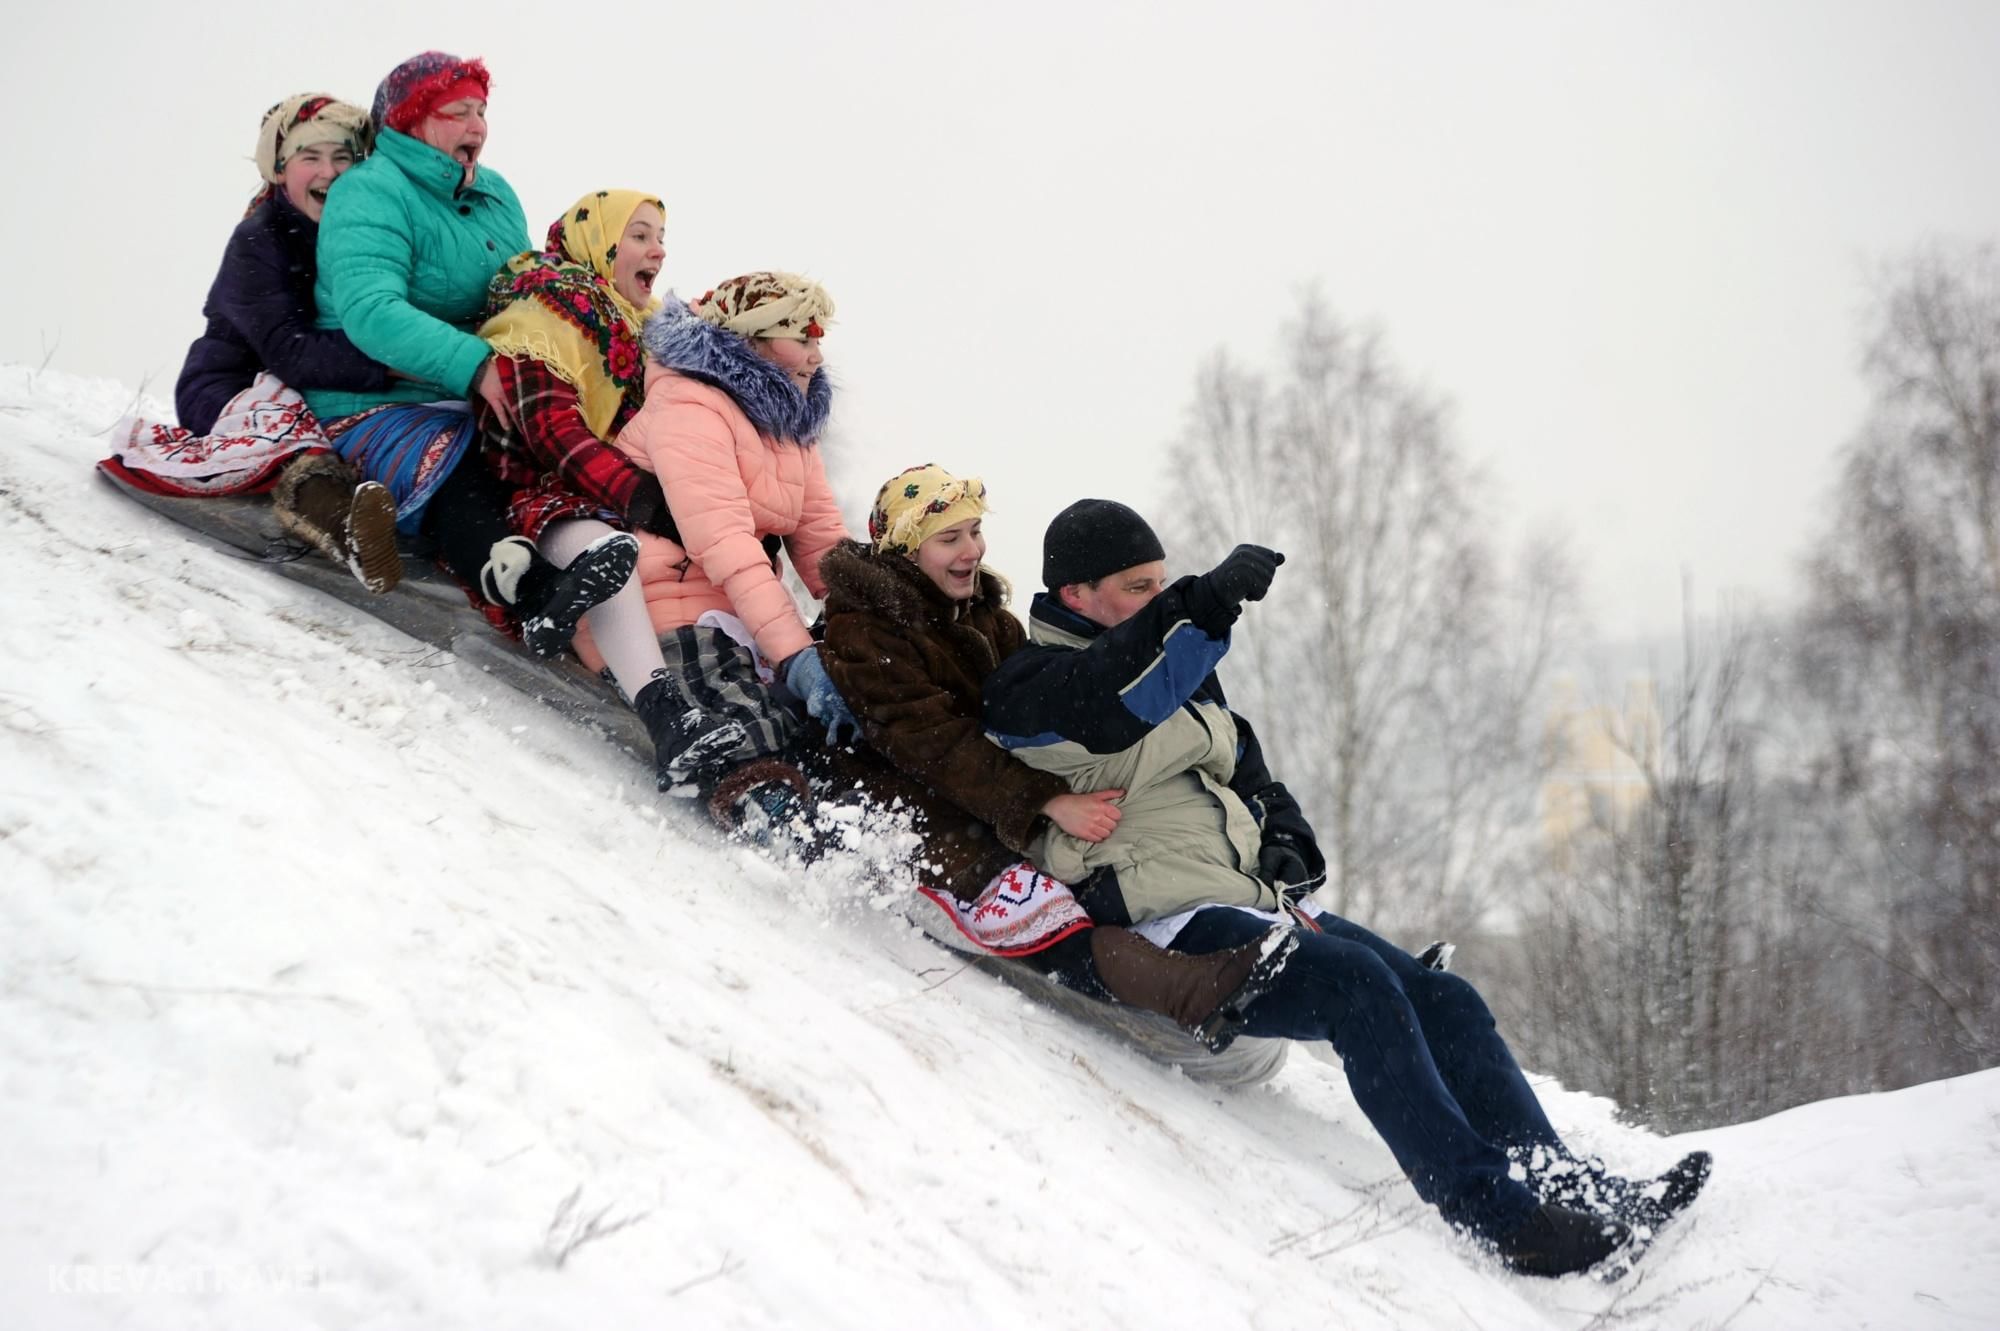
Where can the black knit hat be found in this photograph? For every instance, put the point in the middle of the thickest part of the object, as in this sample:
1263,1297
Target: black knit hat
1093,538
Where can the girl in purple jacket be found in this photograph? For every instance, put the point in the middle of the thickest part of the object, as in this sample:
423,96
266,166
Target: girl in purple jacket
261,319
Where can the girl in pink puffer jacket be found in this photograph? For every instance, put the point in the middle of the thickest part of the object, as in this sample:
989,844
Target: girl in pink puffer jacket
736,399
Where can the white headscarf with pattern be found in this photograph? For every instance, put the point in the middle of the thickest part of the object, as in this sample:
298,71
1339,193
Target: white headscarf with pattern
768,304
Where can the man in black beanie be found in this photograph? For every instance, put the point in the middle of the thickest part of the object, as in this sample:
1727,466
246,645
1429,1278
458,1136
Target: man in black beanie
1102,560
1118,691
1093,537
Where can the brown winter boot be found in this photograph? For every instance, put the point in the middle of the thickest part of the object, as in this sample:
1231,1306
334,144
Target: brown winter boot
318,501
1204,995
763,801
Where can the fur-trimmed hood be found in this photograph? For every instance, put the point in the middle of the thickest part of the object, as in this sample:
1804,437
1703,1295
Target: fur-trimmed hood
858,578
680,341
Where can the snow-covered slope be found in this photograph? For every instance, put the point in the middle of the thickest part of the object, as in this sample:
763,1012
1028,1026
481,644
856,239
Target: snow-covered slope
340,988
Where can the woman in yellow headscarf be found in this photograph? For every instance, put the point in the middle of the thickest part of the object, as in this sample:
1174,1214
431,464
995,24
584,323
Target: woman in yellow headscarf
564,327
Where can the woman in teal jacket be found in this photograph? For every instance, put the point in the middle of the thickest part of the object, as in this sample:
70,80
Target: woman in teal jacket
409,241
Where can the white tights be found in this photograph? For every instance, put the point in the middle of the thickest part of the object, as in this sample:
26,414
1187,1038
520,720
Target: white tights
620,626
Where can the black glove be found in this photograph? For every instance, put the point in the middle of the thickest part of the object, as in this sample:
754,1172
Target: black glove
1281,866
1244,574
648,510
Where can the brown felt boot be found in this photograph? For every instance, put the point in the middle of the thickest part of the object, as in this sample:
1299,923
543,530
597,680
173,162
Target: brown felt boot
765,801
318,501
1204,995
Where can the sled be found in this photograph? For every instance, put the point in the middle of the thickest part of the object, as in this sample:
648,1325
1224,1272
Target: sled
428,606
431,608
1247,1062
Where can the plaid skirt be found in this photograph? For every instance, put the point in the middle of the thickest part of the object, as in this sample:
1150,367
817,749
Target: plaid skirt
710,672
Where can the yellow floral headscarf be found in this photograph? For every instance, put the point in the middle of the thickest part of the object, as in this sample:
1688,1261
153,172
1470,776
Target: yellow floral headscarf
558,307
918,504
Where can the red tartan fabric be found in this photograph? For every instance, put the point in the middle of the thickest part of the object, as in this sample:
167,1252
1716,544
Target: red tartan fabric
529,513
556,467
550,442
533,509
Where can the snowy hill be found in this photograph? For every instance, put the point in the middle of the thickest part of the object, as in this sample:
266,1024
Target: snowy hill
343,988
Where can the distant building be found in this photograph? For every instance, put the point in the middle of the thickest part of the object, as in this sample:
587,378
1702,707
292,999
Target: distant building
1600,761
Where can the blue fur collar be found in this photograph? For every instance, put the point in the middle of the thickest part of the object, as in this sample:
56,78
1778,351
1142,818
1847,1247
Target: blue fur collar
721,359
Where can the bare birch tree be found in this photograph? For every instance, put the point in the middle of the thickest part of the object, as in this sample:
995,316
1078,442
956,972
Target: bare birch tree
1901,647
1810,905
1394,669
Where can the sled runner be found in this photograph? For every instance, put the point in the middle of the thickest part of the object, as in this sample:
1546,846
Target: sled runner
432,609
1246,1062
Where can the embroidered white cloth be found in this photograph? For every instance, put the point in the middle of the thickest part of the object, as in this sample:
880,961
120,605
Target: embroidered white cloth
263,427
1019,912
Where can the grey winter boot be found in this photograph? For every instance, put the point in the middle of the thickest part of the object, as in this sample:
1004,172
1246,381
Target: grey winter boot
318,500
1207,995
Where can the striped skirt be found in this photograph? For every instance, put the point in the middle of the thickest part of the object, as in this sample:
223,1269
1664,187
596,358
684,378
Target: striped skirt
409,447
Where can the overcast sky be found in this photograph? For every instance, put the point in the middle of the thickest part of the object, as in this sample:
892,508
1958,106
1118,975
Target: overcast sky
1630,242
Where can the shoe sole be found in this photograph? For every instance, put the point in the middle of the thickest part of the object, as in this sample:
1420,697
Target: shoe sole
765,827
372,556
1224,1024
591,579
1685,1180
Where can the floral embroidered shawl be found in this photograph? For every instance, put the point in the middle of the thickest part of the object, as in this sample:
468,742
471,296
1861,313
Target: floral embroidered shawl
558,307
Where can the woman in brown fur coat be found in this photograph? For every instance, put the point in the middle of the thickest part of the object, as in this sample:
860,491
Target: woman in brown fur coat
914,624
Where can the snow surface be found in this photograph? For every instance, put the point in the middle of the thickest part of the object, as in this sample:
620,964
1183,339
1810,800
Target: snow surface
343,988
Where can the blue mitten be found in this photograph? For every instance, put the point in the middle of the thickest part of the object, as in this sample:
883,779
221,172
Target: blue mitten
805,675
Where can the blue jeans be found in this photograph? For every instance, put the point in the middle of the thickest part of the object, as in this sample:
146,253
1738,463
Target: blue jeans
1421,1053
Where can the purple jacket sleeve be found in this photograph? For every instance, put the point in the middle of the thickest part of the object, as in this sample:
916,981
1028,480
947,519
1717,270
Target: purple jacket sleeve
258,296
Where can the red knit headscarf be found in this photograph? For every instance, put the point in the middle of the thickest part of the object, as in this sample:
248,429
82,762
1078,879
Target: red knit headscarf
423,83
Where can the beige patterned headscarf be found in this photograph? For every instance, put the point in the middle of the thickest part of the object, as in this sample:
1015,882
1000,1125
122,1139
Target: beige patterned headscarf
304,121
768,304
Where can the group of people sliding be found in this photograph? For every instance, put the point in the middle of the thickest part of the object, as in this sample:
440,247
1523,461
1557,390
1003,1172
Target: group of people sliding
611,471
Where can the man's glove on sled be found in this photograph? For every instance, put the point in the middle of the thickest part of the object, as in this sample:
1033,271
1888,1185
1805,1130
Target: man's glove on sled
1216,597
1284,869
805,674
